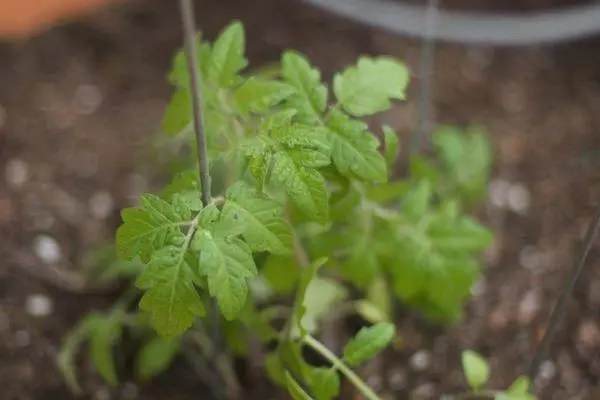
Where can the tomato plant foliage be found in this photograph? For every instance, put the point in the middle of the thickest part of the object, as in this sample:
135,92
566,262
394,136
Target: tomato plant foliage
306,202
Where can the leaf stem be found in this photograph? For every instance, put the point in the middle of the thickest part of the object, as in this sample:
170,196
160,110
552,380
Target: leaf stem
189,32
362,387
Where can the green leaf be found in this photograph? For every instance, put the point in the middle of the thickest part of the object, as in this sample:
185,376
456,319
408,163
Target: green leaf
361,266
311,96
105,332
227,58
417,202
368,87
275,370
368,342
295,389
325,383
355,150
155,357
259,95
520,386
178,114
320,297
392,145
153,225
179,76
266,229
171,298
227,263
476,369
307,277
281,273
304,185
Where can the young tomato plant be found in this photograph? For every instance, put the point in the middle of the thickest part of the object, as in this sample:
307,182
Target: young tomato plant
303,207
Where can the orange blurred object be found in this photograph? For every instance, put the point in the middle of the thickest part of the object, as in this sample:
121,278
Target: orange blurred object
22,18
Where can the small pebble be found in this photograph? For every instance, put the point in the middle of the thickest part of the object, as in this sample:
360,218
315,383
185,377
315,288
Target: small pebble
529,257
529,307
39,305
47,249
423,392
499,192
547,370
16,173
375,382
101,205
22,338
87,99
102,394
518,198
420,360
397,380
130,390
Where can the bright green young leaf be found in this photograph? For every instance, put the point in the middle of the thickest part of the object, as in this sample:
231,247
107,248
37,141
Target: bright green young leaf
355,151
170,296
392,145
282,273
227,262
227,58
294,389
368,342
183,182
178,114
311,95
153,225
476,369
370,312
259,95
155,357
308,275
325,383
520,386
368,87
320,297
266,229
378,294
105,333
361,266
275,370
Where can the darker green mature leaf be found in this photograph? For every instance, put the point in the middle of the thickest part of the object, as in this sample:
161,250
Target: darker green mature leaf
368,87
266,229
259,95
105,332
417,202
155,357
311,96
295,389
368,342
153,225
392,145
282,273
355,150
171,298
325,383
227,58
226,261
183,182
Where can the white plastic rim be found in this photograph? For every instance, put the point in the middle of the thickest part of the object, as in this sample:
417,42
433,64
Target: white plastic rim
466,27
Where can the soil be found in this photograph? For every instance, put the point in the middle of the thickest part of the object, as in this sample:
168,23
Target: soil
80,103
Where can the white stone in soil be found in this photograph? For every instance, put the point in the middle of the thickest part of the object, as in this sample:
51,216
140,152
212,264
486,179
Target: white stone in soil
421,360
547,370
87,99
397,380
47,249
499,192
529,257
39,305
16,173
518,198
22,338
529,306
102,394
101,205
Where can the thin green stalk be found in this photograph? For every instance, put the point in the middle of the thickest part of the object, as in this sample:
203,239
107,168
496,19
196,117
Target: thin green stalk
361,385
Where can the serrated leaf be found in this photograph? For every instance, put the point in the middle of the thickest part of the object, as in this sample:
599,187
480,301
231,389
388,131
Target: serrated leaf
311,95
151,226
178,114
227,263
259,95
105,332
178,75
392,145
354,149
304,186
368,87
361,265
170,298
417,202
368,342
155,357
227,56
266,229
294,389
476,369
325,383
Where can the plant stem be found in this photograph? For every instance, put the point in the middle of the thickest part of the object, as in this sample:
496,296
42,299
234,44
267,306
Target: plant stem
189,33
362,387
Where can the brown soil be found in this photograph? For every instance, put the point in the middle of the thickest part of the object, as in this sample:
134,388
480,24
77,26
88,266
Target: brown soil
79,103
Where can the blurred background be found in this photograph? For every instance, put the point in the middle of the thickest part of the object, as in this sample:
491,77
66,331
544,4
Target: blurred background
82,91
